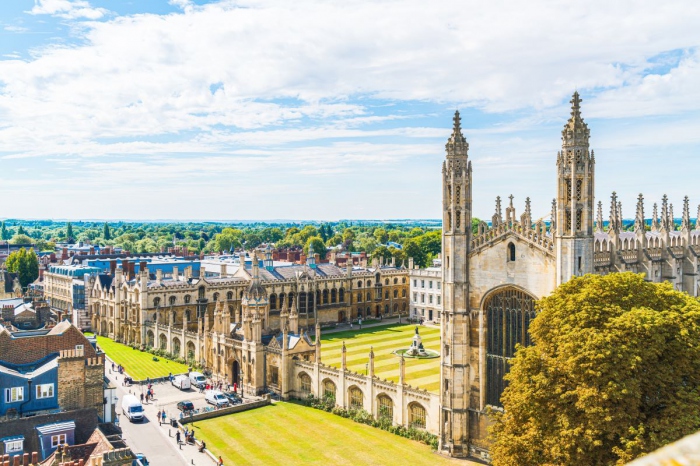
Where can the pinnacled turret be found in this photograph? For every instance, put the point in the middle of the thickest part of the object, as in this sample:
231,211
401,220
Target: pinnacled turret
671,218
575,198
497,218
697,219
639,223
553,217
685,221
615,223
664,214
526,217
599,218
655,218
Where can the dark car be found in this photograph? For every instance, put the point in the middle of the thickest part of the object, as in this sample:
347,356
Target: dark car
185,406
233,398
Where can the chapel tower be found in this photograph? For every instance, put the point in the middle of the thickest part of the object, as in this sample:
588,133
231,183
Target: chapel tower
575,201
454,324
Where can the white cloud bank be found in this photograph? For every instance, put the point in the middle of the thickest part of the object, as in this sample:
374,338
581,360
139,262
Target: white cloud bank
236,75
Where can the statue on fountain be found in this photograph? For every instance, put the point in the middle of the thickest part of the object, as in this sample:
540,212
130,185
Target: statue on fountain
416,348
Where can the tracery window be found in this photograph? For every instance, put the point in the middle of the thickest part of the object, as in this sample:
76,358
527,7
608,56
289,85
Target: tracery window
305,383
172,300
567,194
273,301
359,297
578,189
334,295
459,219
188,298
578,220
328,389
416,416
355,397
229,295
385,407
458,196
508,314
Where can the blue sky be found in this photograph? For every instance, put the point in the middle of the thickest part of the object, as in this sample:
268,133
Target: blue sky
270,109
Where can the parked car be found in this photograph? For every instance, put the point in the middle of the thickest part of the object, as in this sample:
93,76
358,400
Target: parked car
140,460
182,382
233,398
185,406
197,379
216,398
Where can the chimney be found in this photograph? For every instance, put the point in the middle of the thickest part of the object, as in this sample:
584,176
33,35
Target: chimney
112,266
175,274
25,459
125,267
143,265
223,270
64,254
35,457
92,250
132,266
159,276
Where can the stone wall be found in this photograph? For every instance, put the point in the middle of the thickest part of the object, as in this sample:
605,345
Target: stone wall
80,381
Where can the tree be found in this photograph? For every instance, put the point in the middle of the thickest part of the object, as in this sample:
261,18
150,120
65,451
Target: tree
4,234
411,248
381,235
319,246
25,264
614,372
106,234
21,239
21,231
69,232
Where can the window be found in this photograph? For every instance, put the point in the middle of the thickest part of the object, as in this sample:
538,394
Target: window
188,298
508,316
229,295
511,252
44,391
355,397
386,408
416,416
403,293
422,283
422,297
415,283
14,394
14,446
439,285
329,389
172,300
438,301
359,297
415,297
57,440
305,383
430,299
430,284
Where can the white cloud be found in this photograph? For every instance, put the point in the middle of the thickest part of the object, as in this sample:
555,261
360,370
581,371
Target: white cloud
295,81
67,9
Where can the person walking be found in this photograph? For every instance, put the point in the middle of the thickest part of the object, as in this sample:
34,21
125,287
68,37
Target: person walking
159,418
163,414
177,437
221,461
142,398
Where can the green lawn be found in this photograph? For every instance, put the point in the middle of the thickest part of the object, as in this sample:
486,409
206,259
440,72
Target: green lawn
423,373
138,364
291,434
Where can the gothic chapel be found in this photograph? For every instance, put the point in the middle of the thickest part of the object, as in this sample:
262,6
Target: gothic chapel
491,279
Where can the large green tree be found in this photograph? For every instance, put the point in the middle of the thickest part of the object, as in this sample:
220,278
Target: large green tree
614,372
69,232
319,246
4,233
25,263
106,234
21,238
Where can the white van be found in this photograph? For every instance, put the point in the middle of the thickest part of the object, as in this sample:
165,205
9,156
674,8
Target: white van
182,382
197,379
132,408
216,398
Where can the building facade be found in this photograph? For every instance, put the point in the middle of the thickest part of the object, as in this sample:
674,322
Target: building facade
426,294
492,279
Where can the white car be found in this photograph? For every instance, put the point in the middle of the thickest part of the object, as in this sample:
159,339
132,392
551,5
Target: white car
216,398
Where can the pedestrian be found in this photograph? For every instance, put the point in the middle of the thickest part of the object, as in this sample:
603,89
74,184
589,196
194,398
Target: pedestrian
202,447
221,461
159,423
163,416
177,437
112,366
142,398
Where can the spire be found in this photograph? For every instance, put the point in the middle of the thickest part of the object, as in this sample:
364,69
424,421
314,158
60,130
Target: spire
685,222
498,216
526,218
655,218
553,217
664,213
639,217
599,218
671,222
457,144
619,215
575,131
614,226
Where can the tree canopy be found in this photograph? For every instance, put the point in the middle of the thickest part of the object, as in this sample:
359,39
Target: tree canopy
614,372
25,263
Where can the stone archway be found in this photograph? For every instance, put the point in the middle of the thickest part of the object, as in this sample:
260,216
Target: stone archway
191,350
150,338
162,342
236,373
176,347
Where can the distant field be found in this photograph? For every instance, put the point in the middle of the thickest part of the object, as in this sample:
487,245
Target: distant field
291,434
423,373
138,364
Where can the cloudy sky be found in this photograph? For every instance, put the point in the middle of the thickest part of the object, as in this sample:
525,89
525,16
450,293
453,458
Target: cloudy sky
270,109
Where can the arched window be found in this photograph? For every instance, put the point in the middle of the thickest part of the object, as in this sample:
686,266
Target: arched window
187,315
334,295
188,298
216,296
396,293
369,296
305,383
355,398
403,280
396,280
229,295
318,297
386,294
508,316
325,296
369,282
202,291
385,408
172,300
328,389
416,416
156,302
511,252
273,301
386,309
341,295
281,300
359,297
403,293
359,283
386,281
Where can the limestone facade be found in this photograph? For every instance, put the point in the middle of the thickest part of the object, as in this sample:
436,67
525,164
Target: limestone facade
492,278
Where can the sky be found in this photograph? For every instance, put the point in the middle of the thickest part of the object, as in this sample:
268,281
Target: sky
326,110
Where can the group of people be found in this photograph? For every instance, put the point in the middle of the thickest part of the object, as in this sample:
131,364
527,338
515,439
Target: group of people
149,394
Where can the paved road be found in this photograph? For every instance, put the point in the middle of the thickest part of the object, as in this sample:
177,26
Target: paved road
154,441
